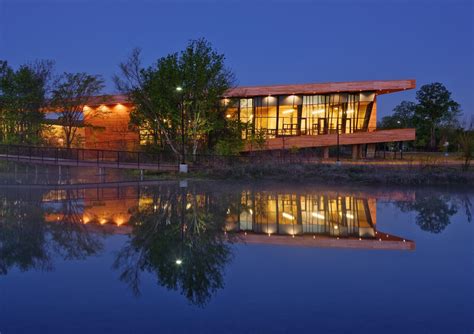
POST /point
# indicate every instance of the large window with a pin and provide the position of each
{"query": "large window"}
(266, 115)
(246, 115)
(341, 112)
(289, 115)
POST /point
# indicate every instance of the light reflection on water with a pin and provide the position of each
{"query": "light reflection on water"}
(186, 238)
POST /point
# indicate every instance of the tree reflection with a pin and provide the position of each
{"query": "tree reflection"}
(434, 211)
(178, 236)
(30, 237)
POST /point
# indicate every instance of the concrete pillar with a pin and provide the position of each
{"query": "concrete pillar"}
(355, 152)
(370, 151)
(325, 152)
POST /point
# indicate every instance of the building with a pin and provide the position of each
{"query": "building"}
(300, 115)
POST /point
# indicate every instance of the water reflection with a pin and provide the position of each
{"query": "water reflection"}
(434, 211)
(30, 237)
(176, 234)
(183, 235)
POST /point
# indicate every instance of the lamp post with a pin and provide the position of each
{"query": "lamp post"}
(338, 162)
(183, 168)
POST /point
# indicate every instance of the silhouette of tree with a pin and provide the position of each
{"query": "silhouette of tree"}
(434, 211)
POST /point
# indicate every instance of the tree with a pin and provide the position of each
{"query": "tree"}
(435, 109)
(23, 94)
(71, 93)
(402, 116)
(202, 78)
(205, 80)
(466, 142)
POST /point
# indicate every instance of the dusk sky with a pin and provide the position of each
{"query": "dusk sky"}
(264, 42)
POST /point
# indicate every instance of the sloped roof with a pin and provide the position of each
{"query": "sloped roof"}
(379, 86)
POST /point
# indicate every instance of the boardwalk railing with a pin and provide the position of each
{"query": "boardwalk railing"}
(109, 158)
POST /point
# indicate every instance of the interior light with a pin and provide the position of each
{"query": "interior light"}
(349, 215)
(251, 211)
(228, 115)
(317, 215)
(288, 216)
(336, 227)
(289, 111)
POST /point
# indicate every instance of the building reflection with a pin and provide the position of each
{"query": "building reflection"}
(309, 217)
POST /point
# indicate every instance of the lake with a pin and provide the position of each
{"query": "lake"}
(81, 253)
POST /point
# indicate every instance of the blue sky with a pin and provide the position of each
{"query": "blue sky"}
(265, 42)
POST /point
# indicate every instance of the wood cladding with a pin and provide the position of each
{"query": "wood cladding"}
(380, 136)
(379, 86)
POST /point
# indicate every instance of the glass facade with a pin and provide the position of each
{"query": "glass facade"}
(293, 115)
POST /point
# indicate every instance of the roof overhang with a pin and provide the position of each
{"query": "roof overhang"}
(378, 86)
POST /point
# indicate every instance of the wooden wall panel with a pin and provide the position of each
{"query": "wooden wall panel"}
(380, 136)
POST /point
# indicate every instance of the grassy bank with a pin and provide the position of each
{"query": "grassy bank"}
(343, 174)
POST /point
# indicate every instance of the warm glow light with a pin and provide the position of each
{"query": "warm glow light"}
(179, 89)
(103, 108)
(251, 211)
(349, 215)
(350, 111)
(179, 262)
(336, 227)
(317, 215)
(228, 116)
(119, 221)
(188, 206)
(287, 216)
(319, 111)
(289, 111)
(103, 221)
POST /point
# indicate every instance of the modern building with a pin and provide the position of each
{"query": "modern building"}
(300, 115)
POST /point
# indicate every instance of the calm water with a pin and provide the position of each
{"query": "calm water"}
(213, 257)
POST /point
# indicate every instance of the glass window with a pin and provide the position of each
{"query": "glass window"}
(289, 115)
(266, 115)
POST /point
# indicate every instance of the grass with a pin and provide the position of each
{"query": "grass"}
(344, 174)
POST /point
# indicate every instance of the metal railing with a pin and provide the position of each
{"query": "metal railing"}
(111, 158)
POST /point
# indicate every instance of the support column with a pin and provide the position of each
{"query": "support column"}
(355, 152)
(370, 151)
(325, 152)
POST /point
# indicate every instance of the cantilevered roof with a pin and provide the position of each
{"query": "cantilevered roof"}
(379, 86)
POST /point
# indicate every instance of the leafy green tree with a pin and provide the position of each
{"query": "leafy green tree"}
(435, 109)
(434, 115)
(230, 142)
(71, 93)
(23, 94)
(190, 84)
